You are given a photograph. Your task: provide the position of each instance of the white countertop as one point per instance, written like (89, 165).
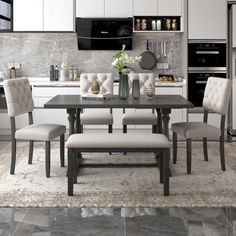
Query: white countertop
(45, 82)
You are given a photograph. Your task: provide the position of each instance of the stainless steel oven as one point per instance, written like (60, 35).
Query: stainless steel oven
(206, 58)
(207, 55)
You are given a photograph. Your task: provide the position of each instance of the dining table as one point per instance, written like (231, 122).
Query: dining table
(163, 104)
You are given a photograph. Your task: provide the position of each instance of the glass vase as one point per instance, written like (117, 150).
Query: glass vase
(123, 86)
(135, 89)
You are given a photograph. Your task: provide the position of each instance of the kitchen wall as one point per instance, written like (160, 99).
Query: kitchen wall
(37, 51)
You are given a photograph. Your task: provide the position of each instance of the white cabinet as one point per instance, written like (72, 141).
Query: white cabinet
(149, 8)
(59, 15)
(207, 19)
(121, 8)
(169, 8)
(43, 15)
(90, 8)
(234, 26)
(28, 15)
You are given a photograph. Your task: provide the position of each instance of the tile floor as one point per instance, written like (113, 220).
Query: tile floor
(117, 222)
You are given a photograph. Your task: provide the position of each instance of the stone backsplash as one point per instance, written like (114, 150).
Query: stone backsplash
(37, 51)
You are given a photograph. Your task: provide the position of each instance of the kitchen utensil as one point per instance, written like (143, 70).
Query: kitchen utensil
(148, 59)
(164, 49)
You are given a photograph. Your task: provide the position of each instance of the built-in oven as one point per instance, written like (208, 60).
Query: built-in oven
(206, 58)
(197, 82)
(207, 55)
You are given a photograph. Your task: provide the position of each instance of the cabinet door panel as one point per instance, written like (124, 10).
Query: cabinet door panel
(28, 15)
(207, 19)
(89, 8)
(169, 8)
(234, 26)
(58, 15)
(147, 9)
(121, 8)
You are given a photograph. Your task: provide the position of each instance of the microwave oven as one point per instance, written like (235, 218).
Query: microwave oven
(104, 33)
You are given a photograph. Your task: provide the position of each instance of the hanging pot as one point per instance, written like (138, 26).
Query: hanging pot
(148, 59)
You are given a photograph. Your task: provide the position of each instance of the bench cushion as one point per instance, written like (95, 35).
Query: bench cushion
(117, 141)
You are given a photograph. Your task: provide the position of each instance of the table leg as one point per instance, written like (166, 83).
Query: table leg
(159, 121)
(77, 122)
(71, 119)
(166, 119)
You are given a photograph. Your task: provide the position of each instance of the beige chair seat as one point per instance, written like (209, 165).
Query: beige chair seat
(40, 132)
(117, 141)
(135, 118)
(102, 118)
(192, 130)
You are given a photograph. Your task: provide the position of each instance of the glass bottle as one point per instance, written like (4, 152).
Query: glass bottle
(174, 24)
(138, 24)
(168, 24)
(158, 24)
(144, 24)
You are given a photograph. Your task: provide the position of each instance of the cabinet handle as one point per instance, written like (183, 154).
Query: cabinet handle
(201, 82)
(208, 52)
(235, 67)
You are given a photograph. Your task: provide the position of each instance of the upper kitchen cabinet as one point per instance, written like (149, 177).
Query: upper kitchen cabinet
(207, 19)
(28, 15)
(147, 9)
(121, 8)
(234, 26)
(90, 8)
(59, 15)
(169, 7)
(157, 8)
(43, 15)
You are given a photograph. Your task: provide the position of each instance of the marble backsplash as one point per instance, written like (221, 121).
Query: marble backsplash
(37, 51)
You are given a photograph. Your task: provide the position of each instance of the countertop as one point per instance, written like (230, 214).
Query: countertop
(45, 82)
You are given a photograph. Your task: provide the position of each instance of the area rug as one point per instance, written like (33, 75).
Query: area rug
(118, 187)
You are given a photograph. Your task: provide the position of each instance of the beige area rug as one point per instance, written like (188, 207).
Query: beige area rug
(118, 187)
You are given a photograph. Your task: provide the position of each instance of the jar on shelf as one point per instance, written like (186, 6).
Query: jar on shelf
(137, 24)
(158, 24)
(174, 24)
(154, 25)
(168, 24)
(144, 24)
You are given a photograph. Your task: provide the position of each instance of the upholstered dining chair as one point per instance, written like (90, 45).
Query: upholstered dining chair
(106, 84)
(216, 99)
(136, 117)
(19, 101)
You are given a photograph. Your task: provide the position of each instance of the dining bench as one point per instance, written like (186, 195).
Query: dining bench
(116, 142)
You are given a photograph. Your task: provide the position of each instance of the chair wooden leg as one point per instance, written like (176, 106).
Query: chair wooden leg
(205, 149)
(47, 155)
(154, 129)
(31, 147)
(124, 131)
(160, 156)
(175, 146)
(110, 131)
(222, 154)
(13, 156)
(166, 173)
(62, 150)
(189, 155)
(70, 172)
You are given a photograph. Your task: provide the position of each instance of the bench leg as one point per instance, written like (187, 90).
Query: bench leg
(70, 172)
(124, 132)
(166, 159)
(110, 131)
(62, 150)
(47, 154)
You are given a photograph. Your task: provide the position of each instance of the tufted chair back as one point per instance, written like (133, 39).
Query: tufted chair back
(217, 95)
(105, 81)
(18, 96)
(144, 80)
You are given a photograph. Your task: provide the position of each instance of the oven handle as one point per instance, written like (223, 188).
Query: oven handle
(201, 82)
(208, 52)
